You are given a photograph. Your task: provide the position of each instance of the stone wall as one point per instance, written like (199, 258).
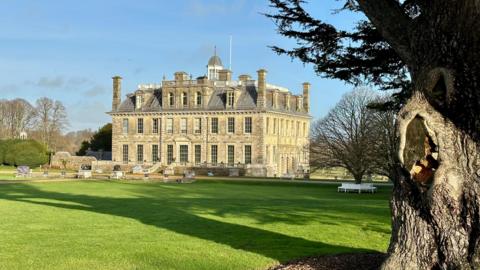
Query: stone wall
(73, 162)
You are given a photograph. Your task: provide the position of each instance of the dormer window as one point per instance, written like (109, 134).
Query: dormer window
(184, 99)
(299, 104)
(230, 98)
(138, 101)
(171, 99)
(199, 99)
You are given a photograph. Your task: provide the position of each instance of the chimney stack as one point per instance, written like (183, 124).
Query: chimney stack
(224, 75)
(306, 96)
(117, 89)
(244, 77)
(261, 88)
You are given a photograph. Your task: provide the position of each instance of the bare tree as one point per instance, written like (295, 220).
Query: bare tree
(15, 116)
(386, 145)
(51, 120)
(346, 137)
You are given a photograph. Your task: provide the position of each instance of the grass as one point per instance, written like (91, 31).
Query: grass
(204, 225)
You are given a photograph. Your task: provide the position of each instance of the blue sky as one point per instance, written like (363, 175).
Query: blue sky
(69, 50)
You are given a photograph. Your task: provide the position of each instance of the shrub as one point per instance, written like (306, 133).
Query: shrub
(29, 153)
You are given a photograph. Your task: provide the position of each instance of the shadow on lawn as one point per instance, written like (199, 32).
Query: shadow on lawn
(168, 214)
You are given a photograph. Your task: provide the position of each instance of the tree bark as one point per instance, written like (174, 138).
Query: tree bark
(435, 203)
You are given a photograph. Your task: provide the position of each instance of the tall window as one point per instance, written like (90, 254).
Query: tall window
(138, 101)
(231, 125)
(231, 155)
(125, 153)
(140, 125)
(248, 124)
(154, 152)
(140, 153)
(184, 99)
(275, 126)
(183, 125)
(125, 126)
(169, 125)
(198, 154)
(171, 99)
(155, 125)
(248, 154)
(214, 154)
(199, 99)
(305, 130)
(169, 154)
(198, 125)
(230, 99)
(183, 153)
(215, 125)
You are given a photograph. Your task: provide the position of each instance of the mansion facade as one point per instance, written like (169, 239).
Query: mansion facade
(213, 121)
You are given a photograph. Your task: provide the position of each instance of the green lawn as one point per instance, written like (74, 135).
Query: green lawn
(204, 225)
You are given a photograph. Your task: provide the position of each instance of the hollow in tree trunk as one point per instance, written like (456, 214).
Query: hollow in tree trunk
(435, 202)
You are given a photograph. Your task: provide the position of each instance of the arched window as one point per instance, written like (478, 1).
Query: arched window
(184, 99)
(171, 99)
(199, 98)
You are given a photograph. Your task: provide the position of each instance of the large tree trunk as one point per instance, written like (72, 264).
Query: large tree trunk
(435, 203)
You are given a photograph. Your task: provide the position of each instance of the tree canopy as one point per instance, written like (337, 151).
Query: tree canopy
(101, 140)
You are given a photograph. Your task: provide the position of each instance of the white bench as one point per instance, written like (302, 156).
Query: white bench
(347, 187)
(288, 176)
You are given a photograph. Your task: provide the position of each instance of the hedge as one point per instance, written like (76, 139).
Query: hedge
(23, 152)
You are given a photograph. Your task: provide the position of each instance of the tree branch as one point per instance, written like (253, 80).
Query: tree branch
(393, 23)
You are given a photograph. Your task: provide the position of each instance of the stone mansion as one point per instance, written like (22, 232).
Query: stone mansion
(213, 121)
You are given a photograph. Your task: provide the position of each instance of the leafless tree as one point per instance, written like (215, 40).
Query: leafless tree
(15, 116)
(51, 120)
(346, 137)
(386, 145)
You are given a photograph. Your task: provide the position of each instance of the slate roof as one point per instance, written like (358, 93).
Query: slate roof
(246, 101)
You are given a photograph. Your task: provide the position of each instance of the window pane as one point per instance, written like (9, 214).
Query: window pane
(155, 125)
(184, 99)
(183, 125)
(138, 100)
(199, 98)
(183, 153)
(213, 154)
(231, 155)
(214, 125)
(169, 154)
(198, 154)
(170, 125)
(155, 153)
(140, 153)
(198, 125)
(230, 99)
(125, 153)
(125, 126)
(231, 125)
(248, 124)
(140, 125)
(248, 154)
